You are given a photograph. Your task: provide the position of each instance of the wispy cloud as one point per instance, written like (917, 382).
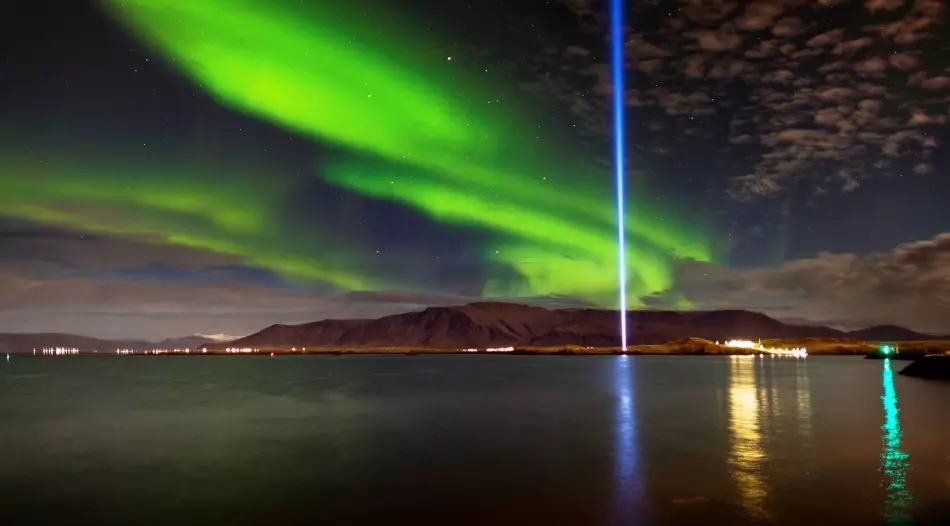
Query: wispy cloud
(909, 285)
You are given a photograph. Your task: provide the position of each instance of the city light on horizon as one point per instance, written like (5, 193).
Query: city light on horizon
(58, 351)
(490, 349)
(798, 352)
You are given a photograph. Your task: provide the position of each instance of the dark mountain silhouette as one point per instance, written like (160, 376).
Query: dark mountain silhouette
(496, 324)
(491, 324)
(890, 333)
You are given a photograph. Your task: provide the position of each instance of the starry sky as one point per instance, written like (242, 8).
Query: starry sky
(215, 166)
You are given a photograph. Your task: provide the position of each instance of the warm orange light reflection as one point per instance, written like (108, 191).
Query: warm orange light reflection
(746, 457)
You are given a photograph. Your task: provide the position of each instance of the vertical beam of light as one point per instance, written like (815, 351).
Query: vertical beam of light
(894, 461)
(619, 103)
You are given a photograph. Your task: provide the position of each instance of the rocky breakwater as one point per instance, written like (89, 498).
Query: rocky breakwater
(934, 367)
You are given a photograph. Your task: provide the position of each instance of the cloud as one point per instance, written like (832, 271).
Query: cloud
(878, 5)
(59, 280)
(124, 309)
(717, 40)
(909, 286)
(759, 15)
(29, 247)
(806, 101)
(139, 310)
(56, 280)
(788, 27)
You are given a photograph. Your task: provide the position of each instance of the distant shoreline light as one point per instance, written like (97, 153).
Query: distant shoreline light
(59, 351)
(798, 352)
(490, 349)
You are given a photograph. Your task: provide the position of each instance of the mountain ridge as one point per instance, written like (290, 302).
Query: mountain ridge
(498, 324)
(490, 324)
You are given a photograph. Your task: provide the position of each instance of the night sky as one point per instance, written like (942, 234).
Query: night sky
(215, 166)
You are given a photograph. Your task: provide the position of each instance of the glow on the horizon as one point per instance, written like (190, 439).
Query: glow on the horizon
(619, 102)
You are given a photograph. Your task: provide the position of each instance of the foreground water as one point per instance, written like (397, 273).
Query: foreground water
(471, 440)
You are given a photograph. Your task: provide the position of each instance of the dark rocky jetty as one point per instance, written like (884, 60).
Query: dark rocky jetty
(935, 367)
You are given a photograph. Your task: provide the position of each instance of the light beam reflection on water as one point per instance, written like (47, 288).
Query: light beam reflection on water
(628, 477)
(804, 416)
(803, 403)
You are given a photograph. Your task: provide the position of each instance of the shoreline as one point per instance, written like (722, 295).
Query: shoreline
(653, 350)
(685, 347)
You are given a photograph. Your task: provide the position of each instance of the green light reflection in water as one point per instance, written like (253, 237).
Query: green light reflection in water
(894, 461)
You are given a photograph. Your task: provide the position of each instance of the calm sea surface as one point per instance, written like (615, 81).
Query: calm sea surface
(465, 440)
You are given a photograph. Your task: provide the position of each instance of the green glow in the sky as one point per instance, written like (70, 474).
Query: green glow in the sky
(236, 215)
(555, 250)
(461, 153)
(337, 71)
(894, 461)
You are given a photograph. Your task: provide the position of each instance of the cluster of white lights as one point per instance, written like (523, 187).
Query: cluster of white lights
(167, 351)
(490, 349)
(177, 351)
(798, 352)
(59, 351)
(242, 350)
(155, 351)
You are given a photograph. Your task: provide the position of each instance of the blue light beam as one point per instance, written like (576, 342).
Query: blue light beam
(619, 105)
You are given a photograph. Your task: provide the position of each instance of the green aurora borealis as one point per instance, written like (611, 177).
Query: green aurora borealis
(406, 125)
(181, 207)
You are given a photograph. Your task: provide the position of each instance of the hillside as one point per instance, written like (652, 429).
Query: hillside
(496, 324)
